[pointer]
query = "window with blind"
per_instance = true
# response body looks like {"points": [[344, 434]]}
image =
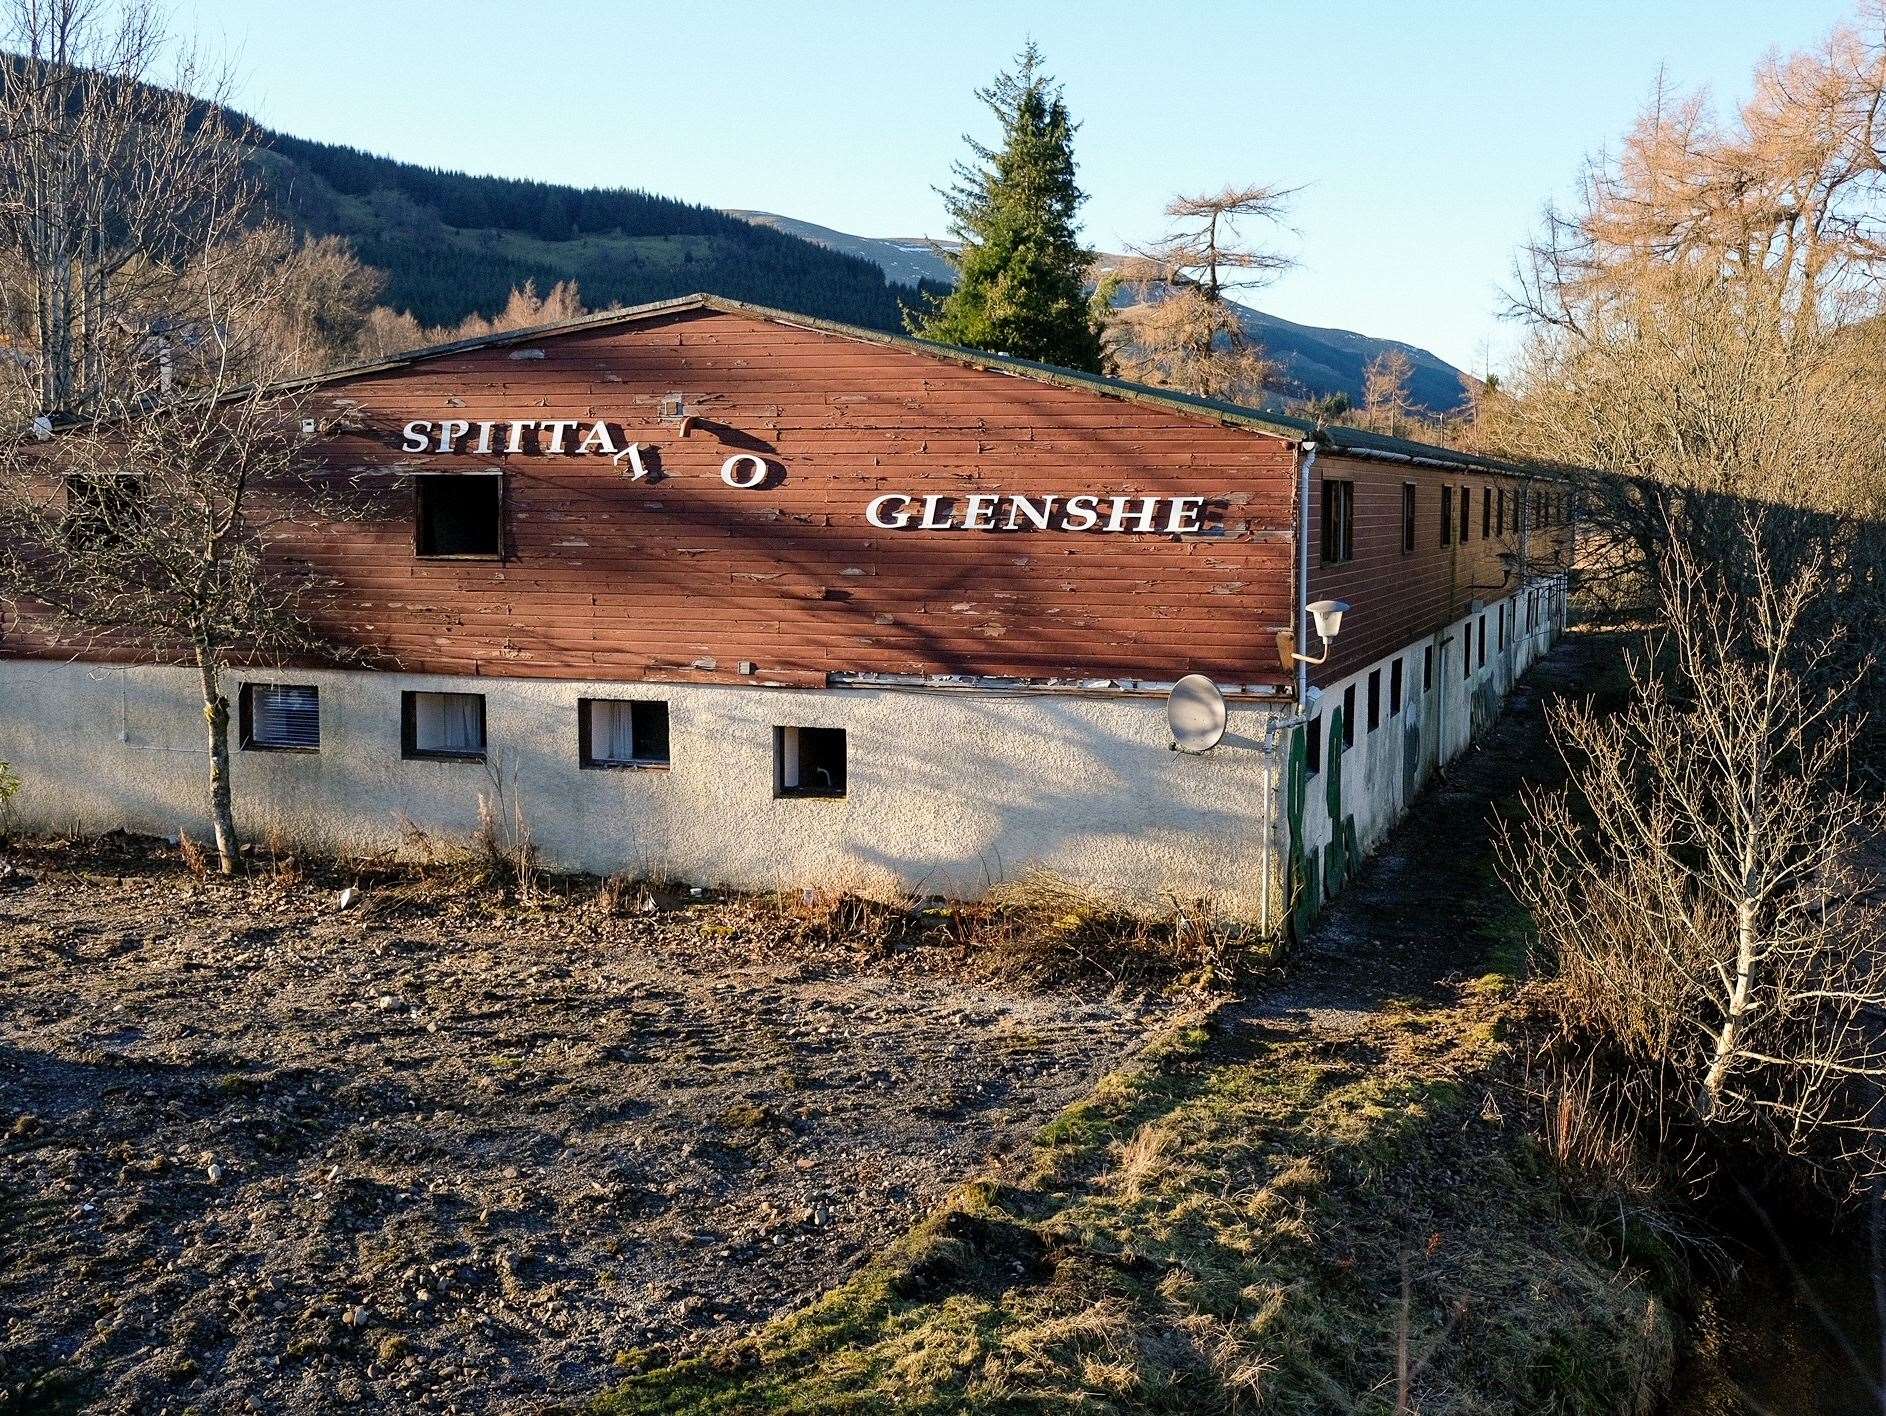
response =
{"points": [[279, 717], [622, 732], [443, 725]]}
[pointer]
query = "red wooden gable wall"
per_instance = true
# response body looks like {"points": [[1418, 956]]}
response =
{"points": [[683, 576]]}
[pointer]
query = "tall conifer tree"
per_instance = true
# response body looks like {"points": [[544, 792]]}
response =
{"points": [[1021, 274]]}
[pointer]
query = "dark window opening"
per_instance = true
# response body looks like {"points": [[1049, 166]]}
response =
{"points": [[1375, 699], [458, 516], [1500, 643], [449, 726], [1466, 514], [1407, 517], [622, 732], [1313, 747], [1394, 687], [1499, 515], [809, 762], [1349, 716], [1483, 641], [1447, 516], [1427, 669], [102, 510], [1339, 512], [1466, 651], [279, 717], [1486, 512]]}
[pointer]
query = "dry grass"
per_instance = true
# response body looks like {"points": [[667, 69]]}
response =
{"points": [[194, 858], [1231, 1226]]}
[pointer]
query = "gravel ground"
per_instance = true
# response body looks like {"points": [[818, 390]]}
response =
{"points": [[261, 1153]]}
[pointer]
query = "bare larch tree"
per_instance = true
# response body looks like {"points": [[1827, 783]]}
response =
{"points": [[1180, 330]]}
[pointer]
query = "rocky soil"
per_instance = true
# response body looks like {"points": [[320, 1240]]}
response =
{"points": [[259, 1152]]}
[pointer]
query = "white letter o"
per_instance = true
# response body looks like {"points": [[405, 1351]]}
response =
{"points": [[731, 466]]}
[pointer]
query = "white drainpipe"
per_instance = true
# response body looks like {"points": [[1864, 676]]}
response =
{"points": [[1304, 466], [1305, 463]]}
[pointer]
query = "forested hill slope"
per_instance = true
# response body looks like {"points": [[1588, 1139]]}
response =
{"points": [[453, 244]]}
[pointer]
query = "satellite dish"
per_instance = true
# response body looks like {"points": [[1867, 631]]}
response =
{"points": [[1195, 710]]}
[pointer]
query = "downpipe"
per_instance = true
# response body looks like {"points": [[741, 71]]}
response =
{"points": [[1306, 463]]}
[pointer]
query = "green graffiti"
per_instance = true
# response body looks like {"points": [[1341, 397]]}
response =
{"points": [[1316, 874], [1305, 882], [1340, 856]]}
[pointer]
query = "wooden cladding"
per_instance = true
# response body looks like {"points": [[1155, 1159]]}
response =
{"points": [[712, 495], [678, 573], [1426, 548]]}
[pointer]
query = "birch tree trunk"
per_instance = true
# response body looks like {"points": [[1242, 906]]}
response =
{"points": [[216, 719]]}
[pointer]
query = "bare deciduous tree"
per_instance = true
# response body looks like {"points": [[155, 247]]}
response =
{"points": [[1385, 391], [161, 534], [111, 188], [1698, 884], [1180, 330]]}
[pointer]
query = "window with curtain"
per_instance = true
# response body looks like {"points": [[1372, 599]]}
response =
{"points": [[622, 732], [444, 725]]}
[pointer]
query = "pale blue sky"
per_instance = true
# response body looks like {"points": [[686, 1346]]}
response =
{"points": [[1428, 134]]}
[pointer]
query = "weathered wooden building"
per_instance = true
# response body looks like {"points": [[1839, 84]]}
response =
{"points": [[730, 595]]}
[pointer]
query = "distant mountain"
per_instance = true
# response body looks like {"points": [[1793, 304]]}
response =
{"points": [[908, 261], [1314, 361], [452, 244]]}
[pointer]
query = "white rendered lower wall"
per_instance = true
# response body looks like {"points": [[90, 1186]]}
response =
{"points": [[1383, 769], [947, 791]]}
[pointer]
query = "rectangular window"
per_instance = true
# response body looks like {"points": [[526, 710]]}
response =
{"points": [[443, 725], [1339, 512], [1499, 514], [1313, 746], [101, 510], [1375, 699], [808, 762], [458, 516], [1466, 651], [622, 732], [1349, 716], [1447, 516], [1394, 687], [1407, 517], [1519, 511], [279, 717], [1483, 641], [1500, 643], [1466, 514], [1486, 512], [1427, 669]]}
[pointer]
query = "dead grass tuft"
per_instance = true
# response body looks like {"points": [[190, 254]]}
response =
{"points": [[194, 858]]}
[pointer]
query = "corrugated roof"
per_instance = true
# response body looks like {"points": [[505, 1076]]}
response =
{"points": [[1331, 436]]}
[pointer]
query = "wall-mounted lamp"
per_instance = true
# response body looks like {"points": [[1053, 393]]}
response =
{"points": [[1328, 616]]}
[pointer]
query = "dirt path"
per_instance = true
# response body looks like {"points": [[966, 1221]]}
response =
{"points": [[1407, 926], [260, 1154]]}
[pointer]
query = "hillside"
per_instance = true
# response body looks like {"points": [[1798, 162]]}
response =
{"points": [[1315, 361], [453, 244]]}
